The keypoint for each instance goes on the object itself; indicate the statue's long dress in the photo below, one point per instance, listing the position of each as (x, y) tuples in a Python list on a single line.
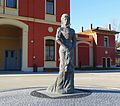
[(65, 80)]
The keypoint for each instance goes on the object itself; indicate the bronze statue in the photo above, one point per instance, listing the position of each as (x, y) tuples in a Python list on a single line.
[(66, 38)]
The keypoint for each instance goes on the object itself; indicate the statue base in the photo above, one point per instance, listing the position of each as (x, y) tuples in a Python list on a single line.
[(44, 94)]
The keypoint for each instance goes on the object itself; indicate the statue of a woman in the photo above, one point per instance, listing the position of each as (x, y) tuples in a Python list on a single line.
[(65, 36)]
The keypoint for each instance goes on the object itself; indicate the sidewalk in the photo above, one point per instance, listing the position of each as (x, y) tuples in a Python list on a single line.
[(16, 80), (103, 89)]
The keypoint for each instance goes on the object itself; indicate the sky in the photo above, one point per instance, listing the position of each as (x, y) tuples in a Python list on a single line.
[(100, 13)]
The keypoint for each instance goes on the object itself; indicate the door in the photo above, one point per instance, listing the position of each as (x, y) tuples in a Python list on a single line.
[(83, 55), (108, 62), (10, 59), (104, 62)]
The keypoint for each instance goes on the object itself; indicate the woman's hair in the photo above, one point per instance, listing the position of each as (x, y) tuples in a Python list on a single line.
[(62, 18), (64, 15)]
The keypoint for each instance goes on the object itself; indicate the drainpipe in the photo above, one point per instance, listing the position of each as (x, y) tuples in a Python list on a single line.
[(35, 68)]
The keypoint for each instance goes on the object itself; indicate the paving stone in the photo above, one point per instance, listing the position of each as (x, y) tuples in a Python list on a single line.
[(23, 97)]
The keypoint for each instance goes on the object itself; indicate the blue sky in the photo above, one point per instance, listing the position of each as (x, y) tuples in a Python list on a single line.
[(97, 12)]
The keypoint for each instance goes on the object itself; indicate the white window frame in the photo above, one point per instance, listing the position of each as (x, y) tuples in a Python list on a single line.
[(106, 61), (49, 50), (53, 4), (49, 63), (107, 41), (11, 7), (12, 11), (50, 17), (9, 10)]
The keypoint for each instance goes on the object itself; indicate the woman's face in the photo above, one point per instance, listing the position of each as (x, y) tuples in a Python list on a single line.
[(66, 20)]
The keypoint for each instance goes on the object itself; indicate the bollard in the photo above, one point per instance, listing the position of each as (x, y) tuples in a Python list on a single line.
[(35, 69)]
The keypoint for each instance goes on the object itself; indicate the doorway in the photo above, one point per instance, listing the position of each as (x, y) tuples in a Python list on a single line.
[(106, 62), (10, 45), (10, 60), (18, 26)]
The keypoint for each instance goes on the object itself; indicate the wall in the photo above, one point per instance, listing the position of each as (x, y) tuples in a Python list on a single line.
[(36, 8), (100, 51), (32, 8), (63, 6), (83, 54), (37, 32)]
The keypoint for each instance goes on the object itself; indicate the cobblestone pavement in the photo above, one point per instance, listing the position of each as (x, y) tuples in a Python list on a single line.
[(98, 97)]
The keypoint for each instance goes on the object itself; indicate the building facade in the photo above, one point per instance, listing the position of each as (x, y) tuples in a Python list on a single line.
[(27, 33), (27, 37), (96, 48)]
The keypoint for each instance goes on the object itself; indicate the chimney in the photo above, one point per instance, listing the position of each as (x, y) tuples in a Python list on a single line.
[(91, 26), (82, 29), (110, 27)]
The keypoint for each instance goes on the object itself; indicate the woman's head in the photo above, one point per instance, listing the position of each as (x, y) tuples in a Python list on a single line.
[(65, 20)]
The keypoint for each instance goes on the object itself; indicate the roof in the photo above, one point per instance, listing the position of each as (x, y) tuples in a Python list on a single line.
[(105, 30), (99, 30)]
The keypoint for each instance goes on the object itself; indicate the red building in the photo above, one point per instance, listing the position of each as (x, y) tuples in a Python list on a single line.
[(27, 37), (27, 33), (96, 48)]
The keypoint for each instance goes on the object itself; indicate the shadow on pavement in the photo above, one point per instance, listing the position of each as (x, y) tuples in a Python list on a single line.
[(103, 91), (21, 72)]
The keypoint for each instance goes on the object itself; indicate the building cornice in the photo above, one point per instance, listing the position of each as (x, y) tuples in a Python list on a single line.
[(28, 19)]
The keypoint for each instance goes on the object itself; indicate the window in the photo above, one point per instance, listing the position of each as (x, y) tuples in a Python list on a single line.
[(11, 3), (50, 50), (50, 7), (106, 42)]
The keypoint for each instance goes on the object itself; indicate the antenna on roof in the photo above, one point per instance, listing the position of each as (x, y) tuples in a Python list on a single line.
[(82, 29), (110, 27), (91, 26)]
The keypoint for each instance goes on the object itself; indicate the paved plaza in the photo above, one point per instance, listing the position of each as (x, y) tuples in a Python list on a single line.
[(103, 89), (23, 97)]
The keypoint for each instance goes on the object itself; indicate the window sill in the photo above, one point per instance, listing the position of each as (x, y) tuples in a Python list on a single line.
[(50, 14), (50, 17), (14, 9)]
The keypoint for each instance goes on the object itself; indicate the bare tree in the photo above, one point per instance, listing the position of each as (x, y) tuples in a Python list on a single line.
[(116, 26)]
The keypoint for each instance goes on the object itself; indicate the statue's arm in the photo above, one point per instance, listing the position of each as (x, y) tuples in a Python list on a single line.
[(58, 38), (74, 39)]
